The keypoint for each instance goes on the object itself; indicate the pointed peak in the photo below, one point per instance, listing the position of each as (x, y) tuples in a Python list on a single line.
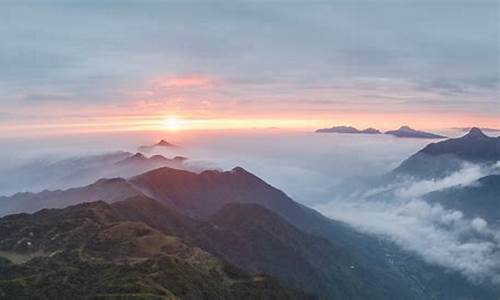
[(475, 132), (164, 143)]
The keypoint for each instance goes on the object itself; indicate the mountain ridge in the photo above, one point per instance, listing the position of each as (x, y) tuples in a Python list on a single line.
[(445, 157), (199, 196)]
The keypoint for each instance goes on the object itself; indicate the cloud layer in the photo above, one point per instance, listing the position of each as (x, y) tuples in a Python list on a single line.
[(67, 61), (440, 236)]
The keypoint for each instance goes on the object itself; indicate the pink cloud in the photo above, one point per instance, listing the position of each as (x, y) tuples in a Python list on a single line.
[(186, 81)]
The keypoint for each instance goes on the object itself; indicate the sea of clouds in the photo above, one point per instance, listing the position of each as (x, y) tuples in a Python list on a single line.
[(440, 236)]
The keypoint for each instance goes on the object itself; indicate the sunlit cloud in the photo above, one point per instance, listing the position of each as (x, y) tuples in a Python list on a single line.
[(186, 81), (317, 63)]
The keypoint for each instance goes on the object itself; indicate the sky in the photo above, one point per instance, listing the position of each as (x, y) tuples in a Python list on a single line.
[(104, 66)]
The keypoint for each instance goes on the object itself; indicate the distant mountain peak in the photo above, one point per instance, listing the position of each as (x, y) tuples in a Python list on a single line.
[(475, 132), (484, 129), (408, 132), (444, 157), (164, 143)]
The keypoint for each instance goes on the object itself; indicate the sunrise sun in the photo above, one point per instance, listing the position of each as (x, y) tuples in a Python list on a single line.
[(171, 123)]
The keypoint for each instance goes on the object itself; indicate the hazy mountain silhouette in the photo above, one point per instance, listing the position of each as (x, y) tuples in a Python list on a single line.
[(407, 132), (347, 129), (160, 145), (78, 171)]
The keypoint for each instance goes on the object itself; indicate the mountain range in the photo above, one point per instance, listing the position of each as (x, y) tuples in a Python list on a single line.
[(239, 219), (403, 132), (172, 233), (82, 170)]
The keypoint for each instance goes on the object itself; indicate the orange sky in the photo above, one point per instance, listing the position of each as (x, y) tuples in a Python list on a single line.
[(183, 122), (202, 102)]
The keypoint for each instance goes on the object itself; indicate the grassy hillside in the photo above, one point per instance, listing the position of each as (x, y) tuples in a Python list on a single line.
[(88, 251)]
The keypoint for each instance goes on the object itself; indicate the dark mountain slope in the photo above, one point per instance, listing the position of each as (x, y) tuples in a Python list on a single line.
[(381, 267), (258, 240), (201, 195), (161, 217), (442, 158), (475, 146), (90, 251)]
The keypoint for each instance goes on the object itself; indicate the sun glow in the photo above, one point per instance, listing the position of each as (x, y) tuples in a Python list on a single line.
[(171, 123)]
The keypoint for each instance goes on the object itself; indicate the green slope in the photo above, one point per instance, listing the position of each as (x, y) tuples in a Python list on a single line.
[(89, 252)]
